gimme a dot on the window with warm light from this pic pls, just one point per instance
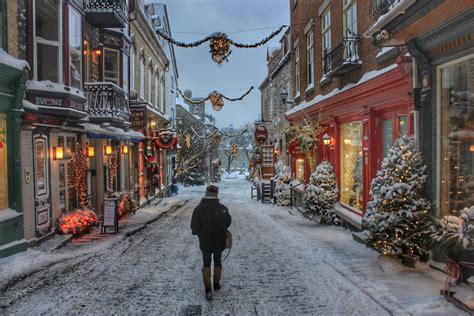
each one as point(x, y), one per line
point(351, 164)
point(455, 91)
point(299, 170)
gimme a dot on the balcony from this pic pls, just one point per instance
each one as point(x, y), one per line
point(343, 58)
point(107, 102)
point(385, 11)
point(106, 13)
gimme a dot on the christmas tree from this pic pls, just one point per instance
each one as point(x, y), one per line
point(282, 180)
point(321, 194)
point(397, 218)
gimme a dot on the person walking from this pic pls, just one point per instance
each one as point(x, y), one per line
point(209, 222)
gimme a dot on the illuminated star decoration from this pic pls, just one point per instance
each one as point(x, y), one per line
point(216, 98)
point(220, 44)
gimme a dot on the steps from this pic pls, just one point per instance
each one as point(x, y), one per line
point(266, 192)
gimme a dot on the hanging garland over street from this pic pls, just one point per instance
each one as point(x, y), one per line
point(216, 98)
point(219, 44)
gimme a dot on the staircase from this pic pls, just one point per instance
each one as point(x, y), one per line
point(266, 192)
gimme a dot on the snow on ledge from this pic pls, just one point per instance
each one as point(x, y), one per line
point(11, 61)
point(383, 20)
point(30, 106)
point(366, 77)
point(53, 87)
point(7, 214)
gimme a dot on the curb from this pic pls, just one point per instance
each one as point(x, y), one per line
point(62, 243)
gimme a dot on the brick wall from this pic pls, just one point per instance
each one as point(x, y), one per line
point(305, 12)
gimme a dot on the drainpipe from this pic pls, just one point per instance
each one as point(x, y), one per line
point(416, 112)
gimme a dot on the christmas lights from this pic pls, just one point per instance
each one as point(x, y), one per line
point(77, 223)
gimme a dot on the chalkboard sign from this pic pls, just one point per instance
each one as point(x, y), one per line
point(110, 214)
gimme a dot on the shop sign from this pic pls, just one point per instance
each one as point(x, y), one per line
point(261, 134)
point(138, 119)
point(110, 214)
point(166, 139)
point(49, 101)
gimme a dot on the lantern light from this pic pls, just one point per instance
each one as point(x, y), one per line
point(90, 151)
point(326, 139)
point(347, 141)
point(471, 148)
point(58, 153)
point(108, 150)
point(98, 51)
point(125, 149)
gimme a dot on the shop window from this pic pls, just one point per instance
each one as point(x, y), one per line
point(111, 65)
point(75, 49)
point(387, 138)
point(67, 180)
point(299, 167)
point(455, 91)
point(402, 125)
point(3, 162)
point(351, 164)
point(47, 40)
point(41, 167)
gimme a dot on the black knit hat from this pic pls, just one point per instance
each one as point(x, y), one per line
point(212, 191)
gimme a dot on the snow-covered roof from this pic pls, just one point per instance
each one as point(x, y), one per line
point(366, 77)
point(53, 87)
point(11, 61)
point(180, 102)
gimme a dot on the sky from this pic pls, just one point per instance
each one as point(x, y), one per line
point(246, 67)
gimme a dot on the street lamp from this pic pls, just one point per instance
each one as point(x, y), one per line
point(326, 139)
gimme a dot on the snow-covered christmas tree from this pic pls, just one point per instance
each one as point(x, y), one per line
point(282, 179)
point(321, 194)
point(397, 218)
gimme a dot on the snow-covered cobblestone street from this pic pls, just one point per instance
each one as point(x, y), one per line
point(281, 263)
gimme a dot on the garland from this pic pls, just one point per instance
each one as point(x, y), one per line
point(216, 98)
point(219, 44)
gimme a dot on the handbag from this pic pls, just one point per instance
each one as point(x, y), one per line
point(228, 240)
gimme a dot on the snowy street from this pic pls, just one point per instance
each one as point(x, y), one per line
point(281, 263)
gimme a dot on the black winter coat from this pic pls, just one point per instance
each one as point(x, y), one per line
point(210, 222)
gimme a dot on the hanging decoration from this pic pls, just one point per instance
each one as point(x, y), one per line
point(219, 44)
point(217, 138)
point(216, 98)
point(166, 139)
point(187, 141)
point(234, 151)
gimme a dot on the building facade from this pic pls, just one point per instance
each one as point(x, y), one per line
point(13, 74)
point(361, 96)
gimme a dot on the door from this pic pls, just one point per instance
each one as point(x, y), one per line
point(42, 185)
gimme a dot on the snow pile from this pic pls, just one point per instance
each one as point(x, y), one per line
point(282, 194)
point(321, 194)
point(11, 61)
point(397, 217)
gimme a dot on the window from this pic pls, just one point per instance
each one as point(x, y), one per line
point(47, 40)
point(299, 170)
point(111, 65)
point(41, 166)
point(132, 69)
point(87, 62)
point(402, 125)
point(351, 164)
point(150, 86)
point(3, 26)
point(455, 91)
point(309, 58)
point(156, 104)
point(142, 78)
point(3, 162)
point(387, 139)
point(350, 18)
point(125, 73)
point(163, 95)
point(75, 49)
point(297, 70)
point(326, 33)
point(67, 180)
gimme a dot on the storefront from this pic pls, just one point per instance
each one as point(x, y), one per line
point(13, 74)
point(362, 122)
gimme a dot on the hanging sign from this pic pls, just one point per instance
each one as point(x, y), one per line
point(261, 134)
point(166, 139)
point(138, 118)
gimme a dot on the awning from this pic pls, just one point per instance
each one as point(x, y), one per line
point(111, 132)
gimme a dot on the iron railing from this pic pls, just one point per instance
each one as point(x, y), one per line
point(103, 6)
point(381, 7)
point(347, 52)
point(105, 99)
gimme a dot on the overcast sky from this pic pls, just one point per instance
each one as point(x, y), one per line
point(246, 67)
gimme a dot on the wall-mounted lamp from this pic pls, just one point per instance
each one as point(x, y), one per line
point(326, 139)
point(90, 151)
point(471, 148)
point(98, 51)
point(284, 97)
point(124, 149)
point(58, 153)
point(108, 149)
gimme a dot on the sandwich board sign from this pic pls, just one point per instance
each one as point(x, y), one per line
point(110, 215)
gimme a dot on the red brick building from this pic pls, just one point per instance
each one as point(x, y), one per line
point(362, 95)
